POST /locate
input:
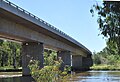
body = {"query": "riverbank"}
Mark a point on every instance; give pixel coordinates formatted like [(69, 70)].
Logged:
[(105, 67), (10, 69)]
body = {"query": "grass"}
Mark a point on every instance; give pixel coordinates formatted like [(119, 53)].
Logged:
[(10, 68), (105, 67)]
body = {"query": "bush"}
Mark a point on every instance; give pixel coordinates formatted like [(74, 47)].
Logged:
[(50, 73)]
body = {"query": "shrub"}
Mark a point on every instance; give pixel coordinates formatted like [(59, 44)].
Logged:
[(49, 73)]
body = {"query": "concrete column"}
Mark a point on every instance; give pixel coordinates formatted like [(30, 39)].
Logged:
[(76, 62), (87, 63), (31, 50), (66, 58)]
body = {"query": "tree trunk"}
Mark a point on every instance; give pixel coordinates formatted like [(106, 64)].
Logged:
[(14, 58)]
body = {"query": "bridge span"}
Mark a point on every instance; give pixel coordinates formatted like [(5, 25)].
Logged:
[(35, 35)]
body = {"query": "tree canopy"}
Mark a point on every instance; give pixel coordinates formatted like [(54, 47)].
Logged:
[(109, 21), (107, 56), (10, 54)]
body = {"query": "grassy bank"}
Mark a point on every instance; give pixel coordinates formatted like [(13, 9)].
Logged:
[(105, 67), (10, 69)]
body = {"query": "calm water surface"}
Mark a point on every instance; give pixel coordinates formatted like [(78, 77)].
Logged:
[(97, 76), (90, 76)]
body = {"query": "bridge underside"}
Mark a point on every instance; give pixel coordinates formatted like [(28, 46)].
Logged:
[(34, 39), (14, 31)]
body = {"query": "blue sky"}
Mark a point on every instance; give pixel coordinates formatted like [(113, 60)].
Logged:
[(70, 16)]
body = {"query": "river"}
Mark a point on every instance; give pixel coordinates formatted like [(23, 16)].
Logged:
[(89, 76), (97, 76)]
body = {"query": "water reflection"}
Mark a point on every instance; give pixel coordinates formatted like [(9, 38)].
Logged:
[(97, 76), (17, 79), (14, 77)]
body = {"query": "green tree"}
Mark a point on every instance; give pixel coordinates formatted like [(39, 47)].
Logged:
[(15, 53), (109, 20), (49, 59), (112, 48), (10, 54), (4, 53), (96, 58), (107, 56)]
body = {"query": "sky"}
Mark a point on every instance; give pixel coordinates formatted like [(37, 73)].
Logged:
[(73, 17)]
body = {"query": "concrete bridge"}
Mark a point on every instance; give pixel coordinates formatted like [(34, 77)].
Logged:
[(19, 25)]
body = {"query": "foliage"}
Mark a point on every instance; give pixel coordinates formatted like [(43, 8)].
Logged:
[(10, 54), (105, 67), (106, 59), (50, 72), (96, 58), (109, 25), (109, 21), (49, 59)]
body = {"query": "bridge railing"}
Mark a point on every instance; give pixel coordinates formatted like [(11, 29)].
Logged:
[(42, 21), (28, 13)]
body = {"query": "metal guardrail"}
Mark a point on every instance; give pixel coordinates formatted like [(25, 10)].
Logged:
[(28, 13), (42, 21)]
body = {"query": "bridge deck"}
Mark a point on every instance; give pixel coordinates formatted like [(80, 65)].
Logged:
[(10, 10)]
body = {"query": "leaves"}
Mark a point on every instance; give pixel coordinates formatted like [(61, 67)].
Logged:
[(109, 20), (8, 51), (51, 71), (108, 56)]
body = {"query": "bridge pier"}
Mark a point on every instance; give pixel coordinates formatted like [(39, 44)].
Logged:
[(66, 58), (31, 50), (87, 62), (80, 63), (76, 62)]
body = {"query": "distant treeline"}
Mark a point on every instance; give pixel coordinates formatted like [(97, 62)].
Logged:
[(109, 57), (10, 54)]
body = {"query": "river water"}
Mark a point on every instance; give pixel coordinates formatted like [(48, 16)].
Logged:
[(89, 76), (97, 76)]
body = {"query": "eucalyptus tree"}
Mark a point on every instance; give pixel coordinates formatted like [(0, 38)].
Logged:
[(109, 20)]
